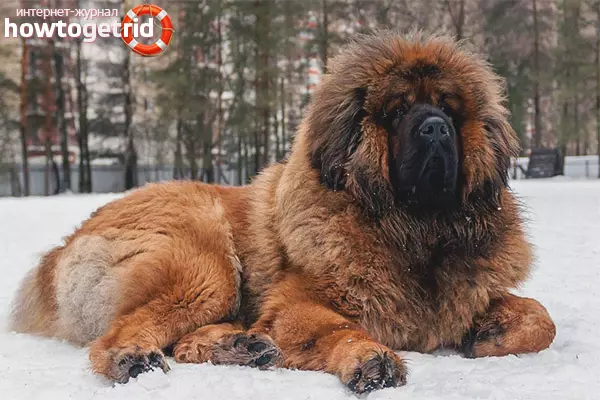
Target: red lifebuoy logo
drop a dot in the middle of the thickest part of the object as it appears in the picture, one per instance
(127, 31)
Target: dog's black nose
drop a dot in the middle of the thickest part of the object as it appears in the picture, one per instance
(434, 128)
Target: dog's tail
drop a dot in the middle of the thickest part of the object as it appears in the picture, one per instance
(34, 308)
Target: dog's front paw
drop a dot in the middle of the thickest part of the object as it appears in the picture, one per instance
(511, 325)
(478, 339)
(130, 362)
(242, 348)
(372, 367)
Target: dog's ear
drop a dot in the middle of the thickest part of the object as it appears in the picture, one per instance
(505, 145)
(335, 132)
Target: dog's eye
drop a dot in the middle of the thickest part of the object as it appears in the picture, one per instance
(400, 113)
(393, 116)
(449, 104)
(443, 105)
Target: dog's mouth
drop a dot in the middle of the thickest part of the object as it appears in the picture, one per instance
(426, 172)
(439, 174)
(434, 174)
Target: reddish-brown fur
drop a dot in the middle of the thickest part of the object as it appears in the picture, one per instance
(338, 279)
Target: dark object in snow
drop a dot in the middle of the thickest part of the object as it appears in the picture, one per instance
(544, 163)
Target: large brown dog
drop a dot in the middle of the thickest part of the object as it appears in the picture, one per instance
(390, 227)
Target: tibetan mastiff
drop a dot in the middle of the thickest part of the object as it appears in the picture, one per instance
(389, 227)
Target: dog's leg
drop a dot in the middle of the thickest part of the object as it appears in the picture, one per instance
(187, 294)
(313, 336)
(511, 325)
(227, 343)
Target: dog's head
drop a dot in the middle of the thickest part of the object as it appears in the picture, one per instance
(413, 122)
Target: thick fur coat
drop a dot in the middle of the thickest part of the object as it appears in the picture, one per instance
(327, 261)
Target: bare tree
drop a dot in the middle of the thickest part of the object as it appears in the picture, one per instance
(60, 117)
(23, 117)
(537, 140)
(48, 118)
(323, 38)
(85, 169)
(597, 61)
(220, 90)
(457, 14)
(130, 154)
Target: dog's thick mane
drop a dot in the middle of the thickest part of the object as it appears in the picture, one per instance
(348, 148)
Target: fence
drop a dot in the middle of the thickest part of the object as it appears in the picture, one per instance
(110, 178)
(577, 167)
(105, 178)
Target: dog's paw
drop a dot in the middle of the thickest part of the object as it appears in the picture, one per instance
(253, 350)
(375, 370)
(489, 335)
(130, 362)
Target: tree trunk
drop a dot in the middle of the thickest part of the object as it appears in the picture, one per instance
(576, 125)
(15, 182)
(23, 118)
(254, 168)
(61, 121)
(324, 39)
(266, 113)
(276, 131)
(283, 118)
(240, 161)
(586, 143)
(85, 171)
(578, 78)
(289, 75)
(598, 83)
(262, 86)
(130, 156)
(220, 90)
(564, 140)
(248, 173)
(178, 172)
(48, 117)
(191, 154)
(458, 20)
(130, 164)
(56, 175)
(536, 79)
(208, 172)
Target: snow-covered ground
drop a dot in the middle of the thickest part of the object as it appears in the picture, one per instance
(564, 224)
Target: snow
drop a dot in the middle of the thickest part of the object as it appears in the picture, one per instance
(564, 219)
